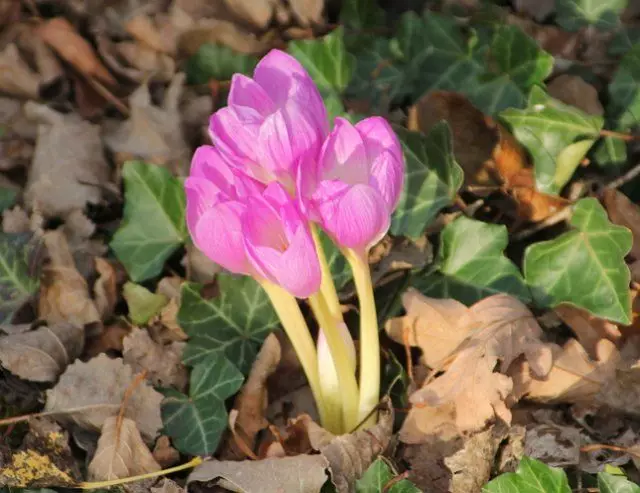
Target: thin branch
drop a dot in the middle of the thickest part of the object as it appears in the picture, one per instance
(552, 220)
(618, 135)
(73, 410)
(627, 177)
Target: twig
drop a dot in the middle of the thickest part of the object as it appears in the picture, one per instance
(73, 410)
(123, 406)
(603, 446)
(106, 94)
(552, 220)
(395, 480)
(407, 350)
(627, 177)
(618, 135)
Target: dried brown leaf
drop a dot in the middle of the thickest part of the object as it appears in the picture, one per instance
(624, 213)
(504, 329)
(164, 453)
(121, 452)
(588, 328)
(162, 362)
(255, 12)
(557, 446)
(194, 34)
(99, 386)
(64, 294)
(149, 63)
(307, 12)
(575, 91)
(105, 288)
(299, 474)
(65, 177)
(142, 28)
(62, 37)
(16, 78)
(41, 355)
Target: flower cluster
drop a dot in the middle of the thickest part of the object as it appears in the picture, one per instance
(276, 170)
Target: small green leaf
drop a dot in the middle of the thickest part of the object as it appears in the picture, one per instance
(361, 14)
(623, 41)
(584, 267)
(624, 97)
(548, 129)
(432, 179)
(378, 475)
(154, 224)
(610, 483)
(610, 152)
(142, 303)
(16, 285)
(340, 270)
(471, 264)
(7, 198)
(519, 56)
(575, 14)
(234, 324)
(532, 476)
(217, 62)
(495, 94)
(196, 422)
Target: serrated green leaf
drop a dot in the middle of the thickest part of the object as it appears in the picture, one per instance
(217, 62)
(610, 152)
(584, 267)
(532, 476)
(361, 14)
(378, 475)
(340, 270)
(610, 483)
(623, 40)
(16, 285)
(496, 94)
(548, 128)
(142, 303)
(471, 264)
(623, 108)
(432, 179)
(154, 225)
(196, 422)
(234, 324)
(575, 14)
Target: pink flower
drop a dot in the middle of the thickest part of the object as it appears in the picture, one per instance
(273, 122)
(278, 242)
(357, 183)
(216, 201)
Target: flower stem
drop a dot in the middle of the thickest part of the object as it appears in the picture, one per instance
(327, 287)
(348, 390)
(286, 306)
(369, 338)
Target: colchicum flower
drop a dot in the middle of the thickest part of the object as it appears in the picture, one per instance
(357, 182)
(274, 122)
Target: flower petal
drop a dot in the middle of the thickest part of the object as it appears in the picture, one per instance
(387, 176)
(245, 92)
(343, 155)
(235, 137)
(279, 74)
(218, 234)
(378, 136)
(356, 216)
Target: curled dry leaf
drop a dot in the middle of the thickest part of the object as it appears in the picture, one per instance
(307, 12)
(164, 453)
(251, 403)
(298, 474)
(64, 177)
(105, 288)
(488, 153)
(149, 63)
(557, 446)
(42, 354)
(64, 294)
(99, 386)
(121, 452)
(588, 328)
(162, 362)
(63, 38)
(255, 12)
(16, 78)
(142, 28)
(623, 212)
(574, 90)
(152, 133)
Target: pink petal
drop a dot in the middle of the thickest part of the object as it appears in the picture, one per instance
(279, 74)
(245, 92)
(387, 176)
(378, 136)
(356, 216)
(236, 138)
(343, 155)
(201, 196)
(208, 163)
(218, 234)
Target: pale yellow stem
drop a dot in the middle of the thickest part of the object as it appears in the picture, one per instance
(287, 308)
(341, 359)
(369, 338)
(327, 287)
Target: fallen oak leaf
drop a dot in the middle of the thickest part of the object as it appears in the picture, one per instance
(588, 328)
(121, 452)
(41, 355)
(16, 78)
(623, 212)
(105, 288)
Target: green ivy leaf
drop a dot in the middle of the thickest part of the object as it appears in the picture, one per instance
(610, 152)
(234, 324)
(217, 62)
(575, 14)
(7, 197)
(378, 475)
(16, 285)
(584, 267)
(519, 57)
(432, 179)
(340, 270)
(495, 94)
(361, 14)
(623, 108)
(532, 476)
(471, 264)
(610, 483)
(142, 303)
(555, 134)
(154, 224)
(623, 41)
(196, 422)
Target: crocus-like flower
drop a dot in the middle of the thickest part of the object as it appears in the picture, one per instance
(216, 201)
(357, 182)
(274, 122)
(278, 242)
